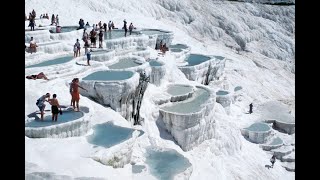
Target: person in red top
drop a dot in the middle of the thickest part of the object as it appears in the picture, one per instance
(75, 93)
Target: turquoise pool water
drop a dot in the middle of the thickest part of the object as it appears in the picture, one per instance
(175, 50)
(195, 59)
(191, 105)
(55, 61)
(276, 141)
(176, 90)
(178, 46)
(222, 93)
(109, 75)
(152, 32)
(258, 127)
(237, 88)
(164, 165)
(114, 34)
(124, 63)
(108, 135)
(65, 117)
(155, 63)
(66, 29)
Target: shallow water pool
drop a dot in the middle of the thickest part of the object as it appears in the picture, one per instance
(109, 75)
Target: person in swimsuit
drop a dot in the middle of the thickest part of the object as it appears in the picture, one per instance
(41, 105)
(54, 107)
(39, 76)
(75, 93)
(70, 90)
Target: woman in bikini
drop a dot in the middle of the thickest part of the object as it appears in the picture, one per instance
(39, 76)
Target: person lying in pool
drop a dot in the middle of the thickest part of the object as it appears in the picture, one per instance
(39, 76)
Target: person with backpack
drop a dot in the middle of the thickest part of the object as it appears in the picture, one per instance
(41, 105)
(100, 38)
(125, 28)
(130, 28)
(54, 107)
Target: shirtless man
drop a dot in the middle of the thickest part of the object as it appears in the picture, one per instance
(33, 45)
(75, 93)
(54, 107)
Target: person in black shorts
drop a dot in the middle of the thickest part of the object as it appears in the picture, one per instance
(54, 107)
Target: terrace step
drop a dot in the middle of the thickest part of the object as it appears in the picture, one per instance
(289, 158)
(282, 151)
(289, 166)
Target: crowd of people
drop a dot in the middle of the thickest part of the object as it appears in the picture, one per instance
(98, 31)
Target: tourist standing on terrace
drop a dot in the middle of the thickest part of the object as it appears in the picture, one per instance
(70, 90)
(32, 23)
(54, 107)
(93, 35)
(76, 48)
(53, 19)
(88, 57)
(125, 28)
(57, 20)
(41, 105)
(130, 28)
(109, 25)
(273, 160)
(100, 24)
(100, 38)
(105, 27)
(33, 13)
(250, 106)
(85, 35)
(75, 93)
(112, 25)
